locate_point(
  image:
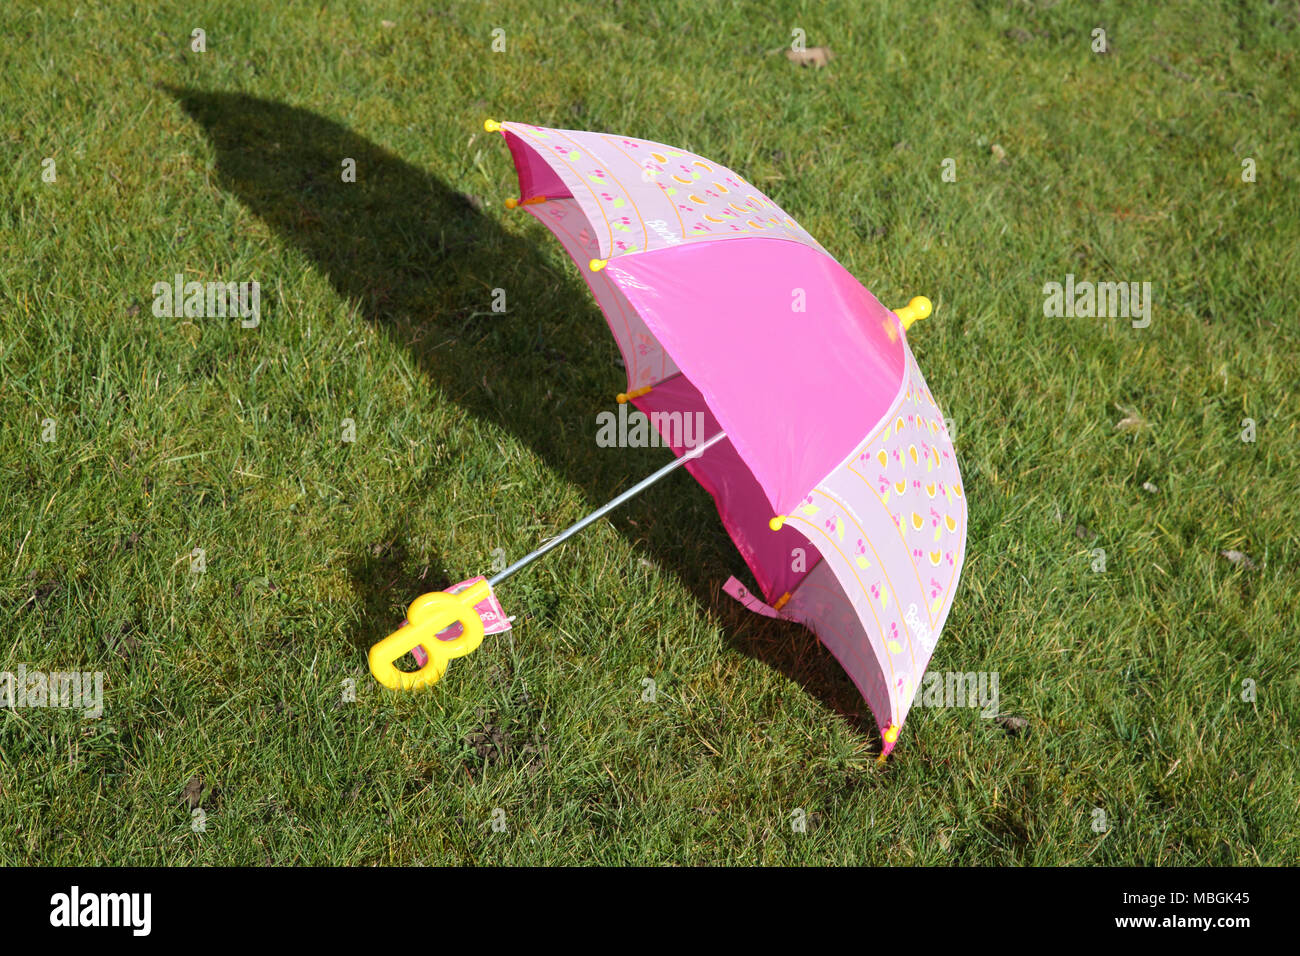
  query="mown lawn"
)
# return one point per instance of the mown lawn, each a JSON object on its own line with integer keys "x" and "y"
{"x": 225, "y": 688}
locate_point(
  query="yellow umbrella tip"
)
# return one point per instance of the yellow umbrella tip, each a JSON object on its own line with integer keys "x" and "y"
{"x": 919, "y": 308}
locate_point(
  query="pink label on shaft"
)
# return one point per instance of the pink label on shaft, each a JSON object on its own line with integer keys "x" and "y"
{"x": 490, "y": 612}
{"x": 489, "y": 609}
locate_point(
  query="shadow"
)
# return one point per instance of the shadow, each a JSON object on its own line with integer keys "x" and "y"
{"x": 419, "y": 261}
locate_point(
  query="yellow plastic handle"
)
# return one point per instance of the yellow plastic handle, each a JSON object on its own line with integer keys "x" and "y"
{"x": 428, "y": 616}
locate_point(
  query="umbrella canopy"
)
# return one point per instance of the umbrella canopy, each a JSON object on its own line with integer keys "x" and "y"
{"x": 838, "y": 481}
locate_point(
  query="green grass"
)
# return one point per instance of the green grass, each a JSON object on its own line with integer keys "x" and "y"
{"x": 476, "y": 432}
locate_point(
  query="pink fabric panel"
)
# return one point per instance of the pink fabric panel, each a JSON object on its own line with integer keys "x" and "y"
{"x": 822, "y": 606}
{"x": 741, "y": 503}
{"x": 644, "y": 358}
{"x": 890, "y": 523}
{"x": 795, "y": 391}
{"x": 536, "y": 177}
{"x": 641, "y": 195}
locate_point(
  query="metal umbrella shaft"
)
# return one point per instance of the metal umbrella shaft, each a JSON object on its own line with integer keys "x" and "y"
{"x": 605, "y": 509}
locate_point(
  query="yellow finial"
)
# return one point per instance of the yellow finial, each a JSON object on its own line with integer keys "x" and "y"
{"x": 491, "y": 126}
{"x": 598, "y": 264}
{"x": 625, "y": 397}
{"x": 891, "y": 738}
{"x": 511, "y": 202}
{"x": 916, "y": 310}
{"x": 775, "y": 523}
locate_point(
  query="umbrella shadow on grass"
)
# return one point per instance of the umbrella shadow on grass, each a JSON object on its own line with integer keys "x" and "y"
{"x": 420, "y": 261}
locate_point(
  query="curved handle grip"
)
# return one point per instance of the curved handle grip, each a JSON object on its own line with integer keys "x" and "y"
{"x": 428, "y": 615}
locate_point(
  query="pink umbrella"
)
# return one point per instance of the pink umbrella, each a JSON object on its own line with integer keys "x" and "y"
{"x": 829, "y": 460}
